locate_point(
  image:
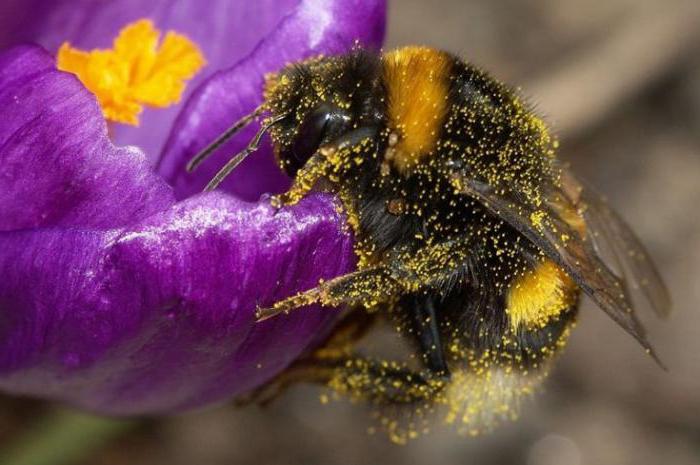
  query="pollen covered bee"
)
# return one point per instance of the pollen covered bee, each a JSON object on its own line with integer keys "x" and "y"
{"x": 471, "y": 237}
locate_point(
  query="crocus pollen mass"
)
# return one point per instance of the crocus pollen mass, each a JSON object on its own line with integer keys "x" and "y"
{"x": 137, "y": 71}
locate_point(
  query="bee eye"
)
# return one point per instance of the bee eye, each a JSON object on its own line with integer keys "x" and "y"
{"x": 320, "y": 126}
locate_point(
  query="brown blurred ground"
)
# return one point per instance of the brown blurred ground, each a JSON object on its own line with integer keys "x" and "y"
{"x": 606, "y": 402}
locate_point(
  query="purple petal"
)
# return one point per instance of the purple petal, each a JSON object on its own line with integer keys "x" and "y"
{"x": 124, "y": 302}
{"x": 158, "y": 317}
{"x": 225, "y": 30}
{"x": 315, "y": 26}
{"x": 57, "y": 166}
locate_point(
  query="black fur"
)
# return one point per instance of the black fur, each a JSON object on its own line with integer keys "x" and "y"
{"x": 470, "y": 299}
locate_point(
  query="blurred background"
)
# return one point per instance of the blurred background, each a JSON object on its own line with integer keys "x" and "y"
{"x": 619, "y": 80}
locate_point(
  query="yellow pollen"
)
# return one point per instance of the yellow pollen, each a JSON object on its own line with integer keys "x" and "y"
{"x": 137, "y": 71}
{"x": 539, "y": 295}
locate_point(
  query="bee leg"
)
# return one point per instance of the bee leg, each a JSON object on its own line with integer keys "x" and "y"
{"x": 376, "y": 381}
{"x": 351, "y": 328}
{"x": 426, "y": 331}
{"x": 385, "y": 382}
{"x": 316, "y": 167}
{"x": 329, "y": 161}
{"x": 319, "y": 366}
{"x": 429, "y": 267}
{"x": 299, "y": 372}
{"x": 381, "y": 382}
{"x": 365, "y": 287}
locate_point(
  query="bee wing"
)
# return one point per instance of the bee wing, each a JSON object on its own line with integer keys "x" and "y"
{"x": 608, "y": 230}
{"x": 545, "y": 226}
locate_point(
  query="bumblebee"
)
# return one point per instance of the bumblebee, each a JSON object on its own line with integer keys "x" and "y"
{"x": 471, "y": 237}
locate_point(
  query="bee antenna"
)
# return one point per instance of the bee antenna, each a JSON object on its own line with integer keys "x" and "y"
{"x": 225, "y": 136}
{"x": 240, "y": 156}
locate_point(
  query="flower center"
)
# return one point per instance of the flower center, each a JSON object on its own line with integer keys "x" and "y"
{"x": 137, "y": 71}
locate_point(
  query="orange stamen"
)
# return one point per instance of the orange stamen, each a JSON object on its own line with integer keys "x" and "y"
{"x": 137, "y": 71}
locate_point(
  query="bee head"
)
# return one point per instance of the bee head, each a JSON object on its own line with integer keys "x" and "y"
{"x": 322, "y": 99}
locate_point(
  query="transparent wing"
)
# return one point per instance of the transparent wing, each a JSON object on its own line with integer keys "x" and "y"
{"x": 564, "y": 236}
{"x": 609, "y": 231}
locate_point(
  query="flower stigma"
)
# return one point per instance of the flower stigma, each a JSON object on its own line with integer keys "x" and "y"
{"x": 139, "y": 70}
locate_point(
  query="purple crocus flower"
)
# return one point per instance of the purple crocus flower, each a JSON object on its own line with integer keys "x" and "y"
{"x": 123, "y": 292}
